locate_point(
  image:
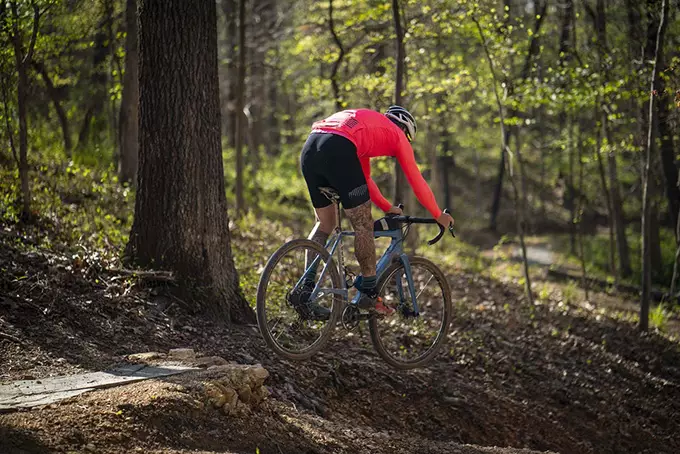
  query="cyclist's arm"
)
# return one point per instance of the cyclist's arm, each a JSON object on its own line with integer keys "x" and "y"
{"x": 421, "y": 189}
{"x": 373, "y": 191}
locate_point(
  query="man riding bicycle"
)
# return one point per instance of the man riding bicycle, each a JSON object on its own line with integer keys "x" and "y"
{"x": 337, "y": 154}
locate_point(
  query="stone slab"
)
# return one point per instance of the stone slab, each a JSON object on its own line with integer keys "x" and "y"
{"x": 33, "y": 393}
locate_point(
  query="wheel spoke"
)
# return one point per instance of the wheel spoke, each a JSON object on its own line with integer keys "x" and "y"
{"x": 284, "y": 307}
{"x": 406, "y": 340}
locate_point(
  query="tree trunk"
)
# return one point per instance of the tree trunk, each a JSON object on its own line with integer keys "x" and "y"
{"x": 646, "y": 255}
{"x": 504, "y": 146}
{"x": 181, "y": 219}
{"x": 240, "y": 116}
{"x": 22, "y": 85}
{"x": 676, "y": 261}
{"x": 534, "y": 49}
{"x": 667, "y": 149}
{"x": 399, "y": 177}
{"x": 98, "y": 95}
{"x": 338, "y": 61}
{"x": 54, "y": 96}
{"x": 579, "y": 211}
{"x": 617, "y": 209}
{"x": 570, "y": 187}
{"x": 498, "y": 188}
{"x": 607, "y": 194}
{"x": 614, "y": 186}
{"x": 656, "y": 260}
{"x": 22, "y": 61}
{"x": 129, "y": 105}
{"x": 114, "y": 132}
{"x": 230, "y": 13}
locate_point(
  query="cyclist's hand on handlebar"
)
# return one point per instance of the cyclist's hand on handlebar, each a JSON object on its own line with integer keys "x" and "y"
{"x": 445, "y": 220}
{"x": 395, "y": 210}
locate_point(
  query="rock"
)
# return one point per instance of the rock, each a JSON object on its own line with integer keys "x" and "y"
{"x": 235, "y": 388}
{"x": 143, "y": 357}
{"x": 214, "y": 395}
{"x": 230, "y": 405}
{"x": 258, "y": 375}
{"x": 184, "y": 354}
{"x": 260, "y": 394}
{"x": 245, "y": 394}
{"x": 207, "y": 361}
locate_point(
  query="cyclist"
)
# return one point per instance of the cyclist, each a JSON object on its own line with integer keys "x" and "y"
{"x": 336, "y": 154}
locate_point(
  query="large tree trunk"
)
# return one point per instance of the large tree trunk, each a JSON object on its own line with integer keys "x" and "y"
{"x": 181, "y": 219}
{"x": 129, "y": 105}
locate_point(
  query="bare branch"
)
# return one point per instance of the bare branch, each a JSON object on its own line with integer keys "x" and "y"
{"x": 10, "y": 337}
{"x": 34, "y": 35}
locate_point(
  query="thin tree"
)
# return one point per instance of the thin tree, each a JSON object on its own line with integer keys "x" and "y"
{"x": 399, "y": 177}
{"x": 579, "y": 214}
{"x": 129, "y": 105}
{"x": 651, "y": 146}
{"x": 676, "y": 260}
{"x": 518, "y": 203}
{"x": 52, "y": 92}
{"x": 23, "y": 58}
{"x": 240, "y": 116}
{"x": 181, "y": 221}
{"x": 338, "y": 61}
{"x": 599, "y": 19}
{"x": 534, "y": 49}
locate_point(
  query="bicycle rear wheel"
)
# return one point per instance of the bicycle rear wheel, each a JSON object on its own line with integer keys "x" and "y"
{"x": 286, "y": 324}
{"x": 405, "y": 340}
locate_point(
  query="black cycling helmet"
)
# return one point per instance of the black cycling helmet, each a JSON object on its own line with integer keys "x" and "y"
{"x": 403, "y": 118}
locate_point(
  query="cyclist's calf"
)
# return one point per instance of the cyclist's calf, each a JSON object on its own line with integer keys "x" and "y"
{"x": 364, "y": 244}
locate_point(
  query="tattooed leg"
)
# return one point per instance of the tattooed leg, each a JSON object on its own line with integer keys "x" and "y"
{"x": 364, "y": 244}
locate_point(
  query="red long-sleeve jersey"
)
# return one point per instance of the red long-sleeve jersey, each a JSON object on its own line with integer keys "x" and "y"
{"x": 375, "y": 135}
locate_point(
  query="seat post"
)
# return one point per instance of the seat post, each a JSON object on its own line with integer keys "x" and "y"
{"x": 338, "y": 227}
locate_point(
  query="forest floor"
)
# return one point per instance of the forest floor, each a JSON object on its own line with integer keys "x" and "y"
{"x": 562, "y": 375}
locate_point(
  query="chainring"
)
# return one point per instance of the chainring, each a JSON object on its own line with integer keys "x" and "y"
{"x": 351, "y": 317}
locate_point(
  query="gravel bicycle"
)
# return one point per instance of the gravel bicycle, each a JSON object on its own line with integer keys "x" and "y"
{"x": 414, "y": 286}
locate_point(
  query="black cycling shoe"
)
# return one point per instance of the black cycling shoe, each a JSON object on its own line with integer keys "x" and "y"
{"x": 369, "y": 300}
{"x": 299, "y": 299}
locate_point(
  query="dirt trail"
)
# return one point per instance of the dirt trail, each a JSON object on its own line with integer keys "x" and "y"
{"x": 549, "y": 377}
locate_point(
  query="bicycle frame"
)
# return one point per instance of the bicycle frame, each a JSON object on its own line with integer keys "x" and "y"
{"x": 395, "y": 249}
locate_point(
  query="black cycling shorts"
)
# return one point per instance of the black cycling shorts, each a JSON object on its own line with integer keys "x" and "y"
{"x": 331, "y": 160}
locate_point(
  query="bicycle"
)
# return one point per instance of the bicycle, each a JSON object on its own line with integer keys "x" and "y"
{"x": 402, "y": 283}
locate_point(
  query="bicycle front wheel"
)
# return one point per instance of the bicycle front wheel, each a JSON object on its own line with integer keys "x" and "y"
{"x": 292, "y": 324}
{"x": 407, "y": 340}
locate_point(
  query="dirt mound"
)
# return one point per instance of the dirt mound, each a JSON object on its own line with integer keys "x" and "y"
{"x": 177, "y": 415}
